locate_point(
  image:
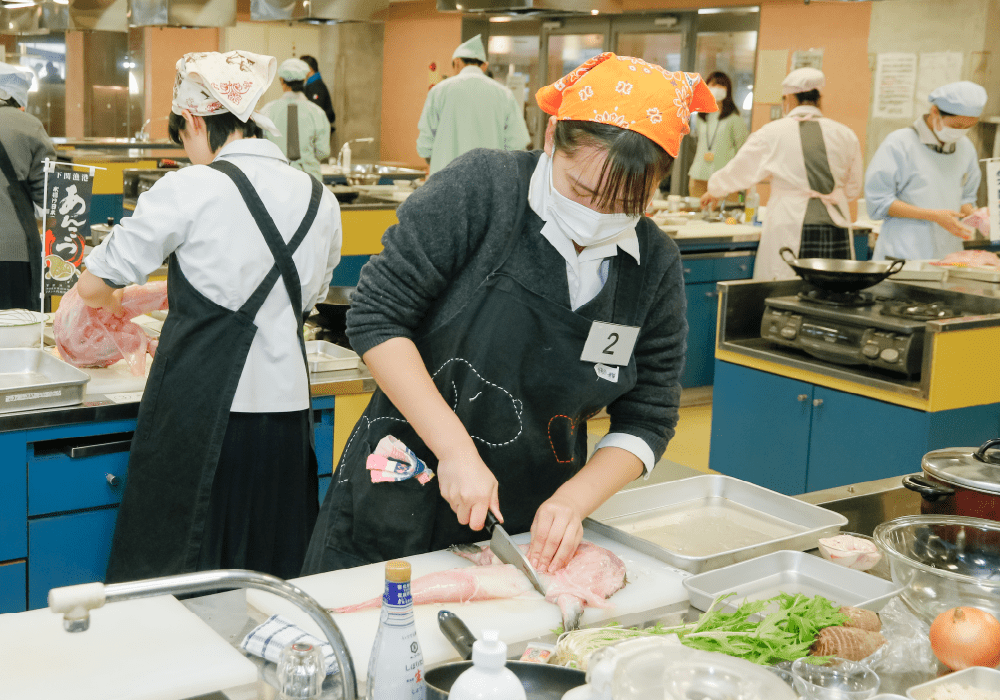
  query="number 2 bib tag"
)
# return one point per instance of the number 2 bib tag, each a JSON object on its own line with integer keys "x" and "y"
{"x": 609, "y": 343}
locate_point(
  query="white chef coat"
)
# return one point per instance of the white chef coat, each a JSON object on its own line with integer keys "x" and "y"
{"x": 197, "y": 214}
{"x": 586, "y": 274}
{"x": 775, "y": 152}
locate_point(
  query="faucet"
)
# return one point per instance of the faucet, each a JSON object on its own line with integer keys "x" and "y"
{"x": 142, "y": 134}
{"x": 346, "y": 146}
{"x": 76, "y": 602}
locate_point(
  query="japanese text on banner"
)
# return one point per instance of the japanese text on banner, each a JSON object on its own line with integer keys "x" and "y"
{"x": 67, "y": 227}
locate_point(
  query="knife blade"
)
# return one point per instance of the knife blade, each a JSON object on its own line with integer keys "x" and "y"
{"x": 509, "y": 553}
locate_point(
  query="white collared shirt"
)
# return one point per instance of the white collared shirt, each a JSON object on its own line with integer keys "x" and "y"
{"x": 197, "y": 214}
{"x": 586, "y": 275}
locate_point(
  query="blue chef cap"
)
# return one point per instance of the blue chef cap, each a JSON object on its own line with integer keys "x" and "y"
{"x": 14, "y": 83}
{"x": 963, "y": 98}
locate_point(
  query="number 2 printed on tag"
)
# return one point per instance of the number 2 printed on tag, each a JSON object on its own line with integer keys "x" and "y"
{"x": 610, "y": 343}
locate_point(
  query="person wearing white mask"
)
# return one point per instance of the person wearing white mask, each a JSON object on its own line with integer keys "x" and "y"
{"x": 814, "y": 166}
{"x": 719, "y": 134}
{"x": 519, "y": 295}
{"x": 923, "y": 179}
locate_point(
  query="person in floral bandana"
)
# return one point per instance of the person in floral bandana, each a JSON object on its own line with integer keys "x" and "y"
{"x": 222, "y": 473}
{"x": 520, "y": 295}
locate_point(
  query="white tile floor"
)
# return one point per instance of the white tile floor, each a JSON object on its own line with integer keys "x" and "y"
{"x": 687, "y": 453}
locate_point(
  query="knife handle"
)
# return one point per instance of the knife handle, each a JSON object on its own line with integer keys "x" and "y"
{"x": 456, "y": 632}
{"x": 491, "y": 520}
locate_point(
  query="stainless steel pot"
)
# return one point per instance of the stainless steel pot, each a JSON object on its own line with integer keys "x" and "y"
{"x": 836, "y": 275}
{"x": 960, "y": 481}
{"x": 540, "y": 681}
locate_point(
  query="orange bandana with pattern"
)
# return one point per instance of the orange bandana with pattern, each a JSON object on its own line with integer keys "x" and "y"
{"x": 631, "y": 94}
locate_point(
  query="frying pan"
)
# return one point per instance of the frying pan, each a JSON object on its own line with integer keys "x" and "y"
{"x": 834, "y": 275}
{"x": 540, "y": 681}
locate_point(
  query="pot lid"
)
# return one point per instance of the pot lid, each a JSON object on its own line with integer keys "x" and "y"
{"x": 974, "y": 468}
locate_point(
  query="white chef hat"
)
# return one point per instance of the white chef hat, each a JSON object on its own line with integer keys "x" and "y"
{"x": 293, "y": 69}
{"x": 473, "y": 48}
{"x": 209, "y": 82}
{"x": 962, "y": 98}
{"x": 803, "y": 80}
{"x": 14, "y": 83}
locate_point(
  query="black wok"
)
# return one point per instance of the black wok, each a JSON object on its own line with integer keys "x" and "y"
{"x": 540, "y": 681}
{"x": 835, "y": 275}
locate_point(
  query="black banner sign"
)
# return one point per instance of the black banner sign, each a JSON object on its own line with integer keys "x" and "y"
{"x": 67, "y": 227}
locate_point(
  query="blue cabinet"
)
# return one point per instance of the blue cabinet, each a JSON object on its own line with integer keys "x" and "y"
{"x": 12, "y": 587}
{"x": 68, "y": 549}
{"x": 793, "y": 437}
{"x": 701, "y": 272}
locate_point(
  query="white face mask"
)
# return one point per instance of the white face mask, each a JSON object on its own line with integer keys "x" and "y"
{"x": 581, "y": 224}
{"x": 950, "y": 135}
{"x": 719, "y": 93}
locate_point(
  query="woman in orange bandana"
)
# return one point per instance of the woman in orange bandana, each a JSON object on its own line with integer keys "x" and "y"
{"x": 519, "y": 295}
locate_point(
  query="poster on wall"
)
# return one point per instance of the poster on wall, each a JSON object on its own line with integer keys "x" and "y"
{"x": 935, "y": 70}
{"x": 993, "y": 196}
{"x": 813, "y": 58}
{"x": 67, "y": 218}
{"x": 895, "y": 80}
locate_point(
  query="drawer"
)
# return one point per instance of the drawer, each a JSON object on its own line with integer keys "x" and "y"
{"x": 77, "y": 473}
{"x": 65, "y": 550}
{"x": 12, "y": 587}
{"x": 699, "y": 269}
{"x": 739, "y": 268}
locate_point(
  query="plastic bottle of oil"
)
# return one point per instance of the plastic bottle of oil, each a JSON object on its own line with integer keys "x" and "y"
{"x": 396, "y": 666}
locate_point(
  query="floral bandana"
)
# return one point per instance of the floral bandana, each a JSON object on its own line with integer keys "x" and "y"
{"x": 210, "y": 83}
{"x": 631, "y": 94}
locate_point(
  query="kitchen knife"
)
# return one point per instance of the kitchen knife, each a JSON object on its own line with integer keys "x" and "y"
{"x": 509, "y": 553}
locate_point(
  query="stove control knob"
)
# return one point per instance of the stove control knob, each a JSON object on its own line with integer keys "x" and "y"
{"x": 788, "y": 332}
{"x": 870, "y": 350}
{"x": 890, "y": 355}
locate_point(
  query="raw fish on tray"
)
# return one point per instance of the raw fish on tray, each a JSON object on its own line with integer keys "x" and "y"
{"x": 969, "y": 258}
{"x": 592, "y": 575}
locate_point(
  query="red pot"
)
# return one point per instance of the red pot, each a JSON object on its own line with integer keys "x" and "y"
{"x": 960, "y": 481}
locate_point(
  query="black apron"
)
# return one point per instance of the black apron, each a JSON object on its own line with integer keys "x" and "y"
{"x": 186, "y": 404}
{"x": 21, "y": 201}
{"x": 509, "y": 365}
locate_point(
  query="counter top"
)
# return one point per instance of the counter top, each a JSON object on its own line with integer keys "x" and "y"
{"x": 101, "y": 408}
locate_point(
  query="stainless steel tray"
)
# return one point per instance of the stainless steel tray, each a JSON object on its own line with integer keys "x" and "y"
{"x": 790, "y": 572}
{"x": 707, "y": 522}
{"x": 324, "y": 356}
{"x": 31, "y": 379}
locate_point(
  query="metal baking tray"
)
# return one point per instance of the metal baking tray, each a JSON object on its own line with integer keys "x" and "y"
{"x": 707, "y": 522}
{"x": 31, "y": 379}
{"x": 790, "y": 572}
{"x": 324, "y": 356}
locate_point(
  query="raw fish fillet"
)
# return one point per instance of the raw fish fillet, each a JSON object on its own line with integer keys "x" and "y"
{"x": 970, "y": 258}
{"x": 591, "y": 576}
{"x": 89, "y": 337}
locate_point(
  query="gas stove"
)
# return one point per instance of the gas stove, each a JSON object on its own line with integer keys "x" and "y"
{"x": 854, "y": 329}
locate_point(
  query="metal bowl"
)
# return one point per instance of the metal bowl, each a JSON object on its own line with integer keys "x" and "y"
{"x": 943, "y": 561}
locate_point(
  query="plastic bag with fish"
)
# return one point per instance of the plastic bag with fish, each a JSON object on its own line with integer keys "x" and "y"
{"x": 592, "y": 575}
{"x": 88, "y": 337}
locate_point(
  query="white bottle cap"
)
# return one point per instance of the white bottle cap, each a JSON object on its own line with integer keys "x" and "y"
{"x": 489, "y": 652}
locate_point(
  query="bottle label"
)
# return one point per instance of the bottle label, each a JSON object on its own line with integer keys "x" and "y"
{"x": 396, "y": 666}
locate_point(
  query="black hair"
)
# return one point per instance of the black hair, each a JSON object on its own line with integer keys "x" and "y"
{"x": 311, "y": 62}
{"x": 471, "y": 61}
{"x": 220, "y": 127}
{"x": 634, "y": 166}
{"x": 295, "y": 85}
{"x": 728, "y": 106}
{"x": 808, "y": 96}
{"x": 10, "y": 102}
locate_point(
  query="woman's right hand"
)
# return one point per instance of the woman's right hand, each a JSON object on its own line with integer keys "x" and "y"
{"x": 469, "y": 486}
{"x": 950, "y": 222}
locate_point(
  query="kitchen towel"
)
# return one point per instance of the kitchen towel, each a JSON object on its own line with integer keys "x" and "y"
{"x": 270, "y": 638}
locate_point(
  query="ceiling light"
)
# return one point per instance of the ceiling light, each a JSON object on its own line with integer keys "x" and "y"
{"x": 748, "y": 101}
{"x": 595, "y": 12}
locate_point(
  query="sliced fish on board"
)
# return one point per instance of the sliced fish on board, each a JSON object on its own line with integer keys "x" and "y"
{"x": 592, "y": 576}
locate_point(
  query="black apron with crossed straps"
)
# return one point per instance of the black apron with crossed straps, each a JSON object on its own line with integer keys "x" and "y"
{"x": 186, "y": 404}
{"x": 17, "y": 190}
{"x": 509, "y": 365}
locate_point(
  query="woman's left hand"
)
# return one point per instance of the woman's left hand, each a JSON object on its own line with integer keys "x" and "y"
{"x": 556, "y": 532}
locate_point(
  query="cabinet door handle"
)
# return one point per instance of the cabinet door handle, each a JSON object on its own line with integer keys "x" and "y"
{"x": 817, "y": 402}
{"x": 113, "y": 481}
{"x": 104, "y": 448}
{"x": 711, "y": 294}
{"x": 803, "y": 397}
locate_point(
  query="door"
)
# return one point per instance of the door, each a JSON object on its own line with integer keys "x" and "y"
{"x": 699, "y": 360}
{"x": 760, "y": 428}
{"x": 65, "y": 550}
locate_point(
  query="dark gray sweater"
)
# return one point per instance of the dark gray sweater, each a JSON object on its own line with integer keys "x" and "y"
{"x": 451, "y": 235}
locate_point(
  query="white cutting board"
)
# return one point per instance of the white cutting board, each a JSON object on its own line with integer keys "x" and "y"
{"x": 651, "y": 585}
{"x": 116, "y": 379}
{"x": 149, "y": 649}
